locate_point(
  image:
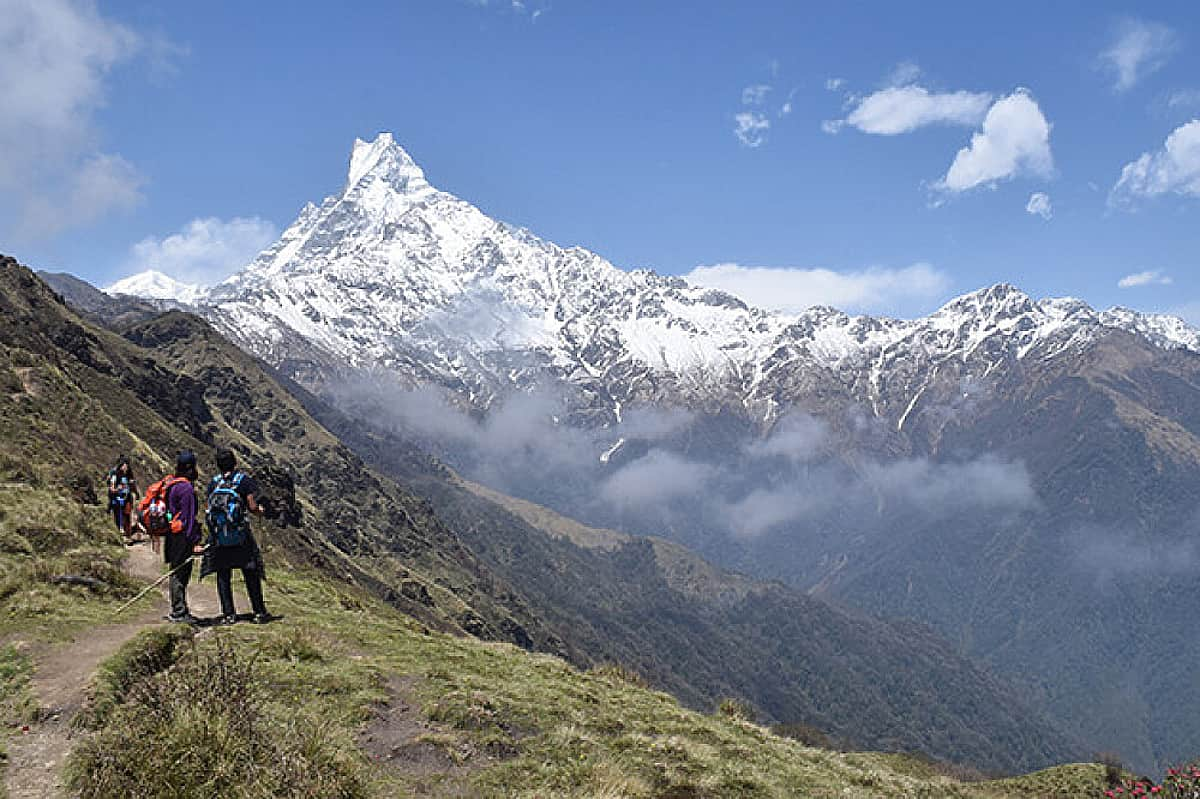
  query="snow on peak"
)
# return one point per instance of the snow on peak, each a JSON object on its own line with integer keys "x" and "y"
{"x": 385, "y": 159}
{"x": 1163, "y": 330}
{"x": 154, "y": 285}
{"x": 393, "y": 273}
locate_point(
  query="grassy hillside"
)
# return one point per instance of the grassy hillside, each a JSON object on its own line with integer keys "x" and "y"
{"x": 501, "y": 722}
{"x": 372, "y": 703}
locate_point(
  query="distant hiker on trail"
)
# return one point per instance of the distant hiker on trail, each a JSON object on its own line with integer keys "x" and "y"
{"x": 183, "y": 540}
{"x": 122, "y": 492}
{"x": 232, "y": 497}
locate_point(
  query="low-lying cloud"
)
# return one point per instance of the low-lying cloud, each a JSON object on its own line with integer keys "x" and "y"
{"x": 205, "y": 251}
{"x": 656, "y": 470}
{"x": 654, "y": 479}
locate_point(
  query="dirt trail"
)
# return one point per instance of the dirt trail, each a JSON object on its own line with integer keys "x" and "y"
{"x": 62, "y": 671}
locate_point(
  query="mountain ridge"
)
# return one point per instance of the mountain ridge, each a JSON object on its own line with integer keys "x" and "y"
{"x": 395, "y": 273}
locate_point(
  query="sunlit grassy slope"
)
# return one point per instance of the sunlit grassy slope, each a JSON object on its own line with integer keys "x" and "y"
{"x": 499, "y": 721}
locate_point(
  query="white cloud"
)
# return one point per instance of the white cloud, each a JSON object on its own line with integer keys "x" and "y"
{"x": 835, "y": 84}
{"x": 1139, "y": 49}
{"x": 1148, "y": 278}
{"x": 871, "y": 290}
{"x": 751, "y": 128}
{"x": 57, "y": 56}
{"x": 1183, "y": 100}
{"x": 798, "y": 437}
{"x": 902, "y": 109}
{"x": 1014, "y": 139}
{"x": 102, "y": 184}
{"x": 205, "y": 251}
{"x": 1039, "y": 205}
{"x": 903, "y": 74}
{"x": 1175, "y": 169}
{"x": 656, "y": 478}
{"x": 532, "y": 8}
{"x": 756, "y": 94}
{"x": 787, "y": 106}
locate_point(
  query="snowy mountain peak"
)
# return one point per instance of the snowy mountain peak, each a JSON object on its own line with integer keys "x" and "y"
{"x": 154, "y": 285}
{"x": 393, "y": 274}
{"x": 998, "y": 301}
{"x": 385, "y": 160}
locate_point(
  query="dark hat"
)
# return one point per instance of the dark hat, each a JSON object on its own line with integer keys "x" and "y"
{"x": 226, "y": 460}
{"x": 185, "y": 461}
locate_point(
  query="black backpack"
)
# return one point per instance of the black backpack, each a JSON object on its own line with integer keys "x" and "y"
{"x": 226, "y": 514}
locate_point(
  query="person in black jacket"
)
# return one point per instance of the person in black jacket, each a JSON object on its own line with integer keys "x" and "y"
{"x": 122, "y": 495}
{"x": 223, "y": 557}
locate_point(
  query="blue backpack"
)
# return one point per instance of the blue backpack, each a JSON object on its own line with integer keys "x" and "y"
{"x": 226, "y": 515}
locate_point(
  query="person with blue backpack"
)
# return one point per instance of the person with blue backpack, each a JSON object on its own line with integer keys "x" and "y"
{"x": 232, "y": 497}
{"x": 122, "y": 494}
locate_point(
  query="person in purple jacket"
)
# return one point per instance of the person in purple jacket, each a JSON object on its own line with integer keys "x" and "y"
{"x": 184, "y": 538}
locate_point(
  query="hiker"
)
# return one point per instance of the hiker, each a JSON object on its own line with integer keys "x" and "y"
{"x": 183, "y": 540}
{"x": 122, "y": 491}
{"x": 232, "y": 496}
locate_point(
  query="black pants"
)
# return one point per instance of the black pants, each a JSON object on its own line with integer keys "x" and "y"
{"x": 253, "y": 587}
{"x": 178, "y": 585}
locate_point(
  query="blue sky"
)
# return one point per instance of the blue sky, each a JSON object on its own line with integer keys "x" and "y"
{"x": 864, "y": 154}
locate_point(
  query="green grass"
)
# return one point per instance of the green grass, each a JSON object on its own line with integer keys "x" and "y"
{"x": 152, "y": 651}
{"x": 45, "y": 535}
{"x": 17, "y": 705}
{"x": 515, "y": 724}
{"x": 213, "y": 720}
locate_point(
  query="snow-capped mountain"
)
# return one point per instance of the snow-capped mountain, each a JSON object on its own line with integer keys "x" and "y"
{"x": 392, "y": 273}
{"x": 154, "y": 285}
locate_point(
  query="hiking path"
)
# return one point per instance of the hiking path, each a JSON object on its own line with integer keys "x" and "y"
{"x": 62, "y": 672}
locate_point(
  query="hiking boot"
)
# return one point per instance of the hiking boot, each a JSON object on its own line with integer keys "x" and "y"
{"x": 186, "y": 618}
{"x": 262, "y": 618}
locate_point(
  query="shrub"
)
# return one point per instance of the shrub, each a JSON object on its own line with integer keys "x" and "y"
{"x": 805, "y": 734}
{"x": 1114, "y": 769}
{"x": 293, "y": 644}
{"x": 736, "y": 709}
{"x": 620, "y": 673}
{"x": 10, "y": 383}
{"x": 204, "y": 728}
{"x": 150, "y": 652}
{"x": 21, "y": 357}
{"x": 1179, "y": 783}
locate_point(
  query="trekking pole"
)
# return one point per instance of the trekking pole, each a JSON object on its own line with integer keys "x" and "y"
{"x": 156, "y": 583}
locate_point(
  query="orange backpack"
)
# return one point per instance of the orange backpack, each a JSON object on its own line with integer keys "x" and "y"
{"x": 152, "y": 509}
